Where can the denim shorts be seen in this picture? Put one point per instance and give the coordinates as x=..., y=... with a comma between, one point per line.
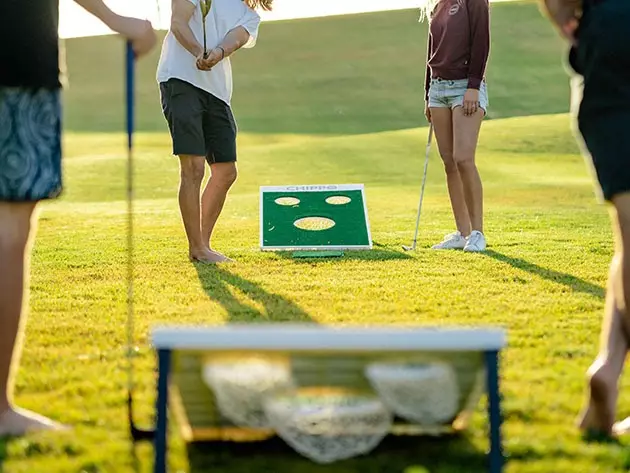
x=450, y=93
x=30, y=144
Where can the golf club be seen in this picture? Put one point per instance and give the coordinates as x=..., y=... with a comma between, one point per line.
x=424, y=180
x=137, y=434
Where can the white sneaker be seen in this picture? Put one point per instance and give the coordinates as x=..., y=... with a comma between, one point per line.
x=454, y=241
x=475, y=242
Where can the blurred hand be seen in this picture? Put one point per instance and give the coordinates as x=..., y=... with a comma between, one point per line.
x=568, y=30
x=427, y=112
x=471, y=102
x=139, y=32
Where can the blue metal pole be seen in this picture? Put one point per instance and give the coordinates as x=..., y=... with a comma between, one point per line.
x=497, y=459
x=161, y=431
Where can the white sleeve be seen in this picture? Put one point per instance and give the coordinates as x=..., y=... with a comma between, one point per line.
x=250, y=21
x=194, y=2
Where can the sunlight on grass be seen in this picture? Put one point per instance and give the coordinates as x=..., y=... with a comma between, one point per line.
x=309, y=116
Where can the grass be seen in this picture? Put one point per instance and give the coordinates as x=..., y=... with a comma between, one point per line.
x=328, y=100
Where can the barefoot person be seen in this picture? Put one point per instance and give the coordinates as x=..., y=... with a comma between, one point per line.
x=196, y=91
x=600, y=55
x=456, y=103
x=30, y=162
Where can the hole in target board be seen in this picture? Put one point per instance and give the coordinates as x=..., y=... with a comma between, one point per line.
x=314, y=224
x=338, y=200
x=287, y=201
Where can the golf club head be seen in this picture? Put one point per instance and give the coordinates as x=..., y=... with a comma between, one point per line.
x=409, y=248
x=137, y=434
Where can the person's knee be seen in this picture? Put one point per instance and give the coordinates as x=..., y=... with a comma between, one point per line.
x=465, y=164
x=450, y=166
x=622, y=208
x=225, y=174
x=602, y=374
x=192, y=170
x=15, y=227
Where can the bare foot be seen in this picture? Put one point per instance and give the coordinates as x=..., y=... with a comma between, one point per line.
x=599, y=415
x=208, y=256
x=16, y=422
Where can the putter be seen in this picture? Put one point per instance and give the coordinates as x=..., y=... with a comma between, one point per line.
x=424, y=181
x=136, y=433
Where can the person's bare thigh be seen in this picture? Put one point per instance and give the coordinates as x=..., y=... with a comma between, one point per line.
x=466, y=133
x=15, y=223
x=442, y=120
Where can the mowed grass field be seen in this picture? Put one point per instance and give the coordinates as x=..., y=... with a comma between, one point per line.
x=333, y=100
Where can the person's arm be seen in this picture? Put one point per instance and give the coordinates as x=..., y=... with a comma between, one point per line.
x=139, y=32
x=479, y=14
x=182, y=12
x=234, y=40
x=243, y=36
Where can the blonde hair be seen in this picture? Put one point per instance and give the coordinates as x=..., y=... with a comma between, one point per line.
x=263, y=4
x=426, y=9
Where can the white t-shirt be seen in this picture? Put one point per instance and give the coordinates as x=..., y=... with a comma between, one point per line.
x=177, y=62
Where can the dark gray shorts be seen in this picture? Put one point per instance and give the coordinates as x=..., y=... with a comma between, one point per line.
x=30, y=144
x=200, y=124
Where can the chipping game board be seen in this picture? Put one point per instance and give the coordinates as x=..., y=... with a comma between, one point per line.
x=314, y=217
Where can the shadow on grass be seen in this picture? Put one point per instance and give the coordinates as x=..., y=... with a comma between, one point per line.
x=572, y=282
x=454, y=454
x=378, y=253
x=221, y=285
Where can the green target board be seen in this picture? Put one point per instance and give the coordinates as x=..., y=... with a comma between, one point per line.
x=314, y=217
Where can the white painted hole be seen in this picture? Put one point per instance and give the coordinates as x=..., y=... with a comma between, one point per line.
x=288, y=201
x=338, y=200
x=314, y=224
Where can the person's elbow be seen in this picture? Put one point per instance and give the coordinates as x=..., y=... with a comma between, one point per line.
x=177, y=26
x=244, y=37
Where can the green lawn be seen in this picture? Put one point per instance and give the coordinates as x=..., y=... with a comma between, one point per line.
x=331, y=100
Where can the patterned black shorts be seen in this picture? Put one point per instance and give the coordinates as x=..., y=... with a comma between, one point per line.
x=30, y=144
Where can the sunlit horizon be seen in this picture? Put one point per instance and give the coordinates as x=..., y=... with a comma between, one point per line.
x=76, y=22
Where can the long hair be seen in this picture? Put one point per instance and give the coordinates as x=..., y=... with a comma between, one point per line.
x=426, y=9
x=263, y=4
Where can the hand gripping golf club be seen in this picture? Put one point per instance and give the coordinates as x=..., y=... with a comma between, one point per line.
x=137, y=434
x=424, y=181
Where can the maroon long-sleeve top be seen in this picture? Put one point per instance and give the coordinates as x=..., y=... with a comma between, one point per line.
x=459, y=42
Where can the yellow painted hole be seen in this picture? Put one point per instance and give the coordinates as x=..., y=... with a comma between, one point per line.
x=287, y=201
x=314, y=224
x=338, y=200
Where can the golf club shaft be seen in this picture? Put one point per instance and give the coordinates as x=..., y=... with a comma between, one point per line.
x=130, y=79
x=424, y=180
x=136, y=433
x=129, y=99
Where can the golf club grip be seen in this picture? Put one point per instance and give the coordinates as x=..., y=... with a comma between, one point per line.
x=130, y=75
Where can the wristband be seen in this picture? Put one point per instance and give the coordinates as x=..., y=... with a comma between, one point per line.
x=222, y=52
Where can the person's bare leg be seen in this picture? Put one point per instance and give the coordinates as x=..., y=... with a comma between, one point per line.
x=465, y=138
x=15, y=236
x=192, y=170
x=603, y=375
x=621, y=278
x=213, y=200
x=442, y=119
